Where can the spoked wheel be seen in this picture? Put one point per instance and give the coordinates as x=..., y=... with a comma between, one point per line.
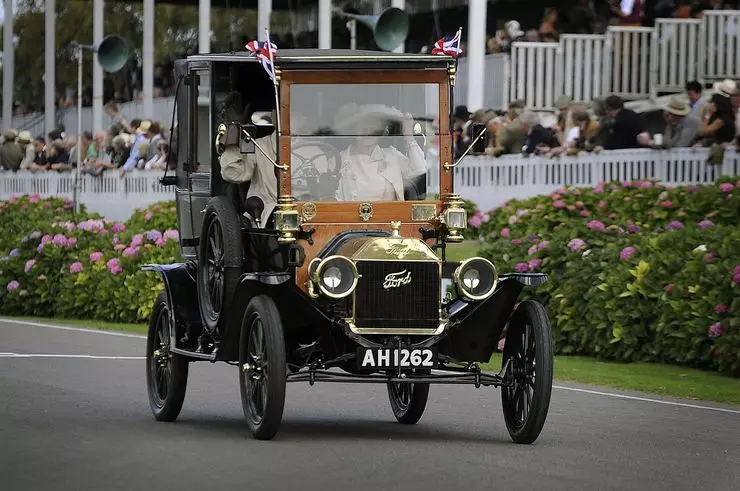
x=528, y=349
x=262, y=368
x=167, y=373
x=408, y=401
x=220, y=260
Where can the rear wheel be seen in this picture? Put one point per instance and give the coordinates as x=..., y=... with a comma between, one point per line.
x=219, y=261
x=262, y=368
x=408, y=401
x=528, y=350
x=167, y=373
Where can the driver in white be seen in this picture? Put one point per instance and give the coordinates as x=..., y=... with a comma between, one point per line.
x=370, y=172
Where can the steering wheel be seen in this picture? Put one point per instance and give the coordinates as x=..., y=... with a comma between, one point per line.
x=322, y=186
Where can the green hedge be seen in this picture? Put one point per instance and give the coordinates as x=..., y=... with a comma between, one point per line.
x=58, y=264
x=638, y=272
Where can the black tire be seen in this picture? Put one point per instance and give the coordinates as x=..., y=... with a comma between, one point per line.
x=220, y=260
x=262, y=381
x=166, y=373
x=529, y=348
x=408, y=401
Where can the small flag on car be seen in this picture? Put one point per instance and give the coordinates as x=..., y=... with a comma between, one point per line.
x=264, y=55
x=449, y=45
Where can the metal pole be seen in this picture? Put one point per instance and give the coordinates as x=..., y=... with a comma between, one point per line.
x=147, y=70
x=324, y=24
x=476, y=52
x=97, y=107
x=352, y=26
x=78, y=183
x=8, y=65
x=204, y=26
x=49, y=66
x=264, y=9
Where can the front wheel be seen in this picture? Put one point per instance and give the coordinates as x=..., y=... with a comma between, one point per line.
x=167, y=373
x=262, y=367
x=408, y=401
x=528, y=350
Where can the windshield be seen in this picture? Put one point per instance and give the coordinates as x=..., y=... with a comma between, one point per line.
x=364, y=142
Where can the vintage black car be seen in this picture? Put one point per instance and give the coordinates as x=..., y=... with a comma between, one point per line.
x=318, y=255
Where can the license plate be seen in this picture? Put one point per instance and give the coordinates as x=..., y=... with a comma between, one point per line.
x=396, y=358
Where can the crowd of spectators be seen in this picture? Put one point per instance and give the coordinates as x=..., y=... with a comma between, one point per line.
x=690, y=121
x=125, y=147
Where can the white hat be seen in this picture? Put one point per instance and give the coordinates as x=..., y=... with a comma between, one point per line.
x=364, y=112
x=726, y=88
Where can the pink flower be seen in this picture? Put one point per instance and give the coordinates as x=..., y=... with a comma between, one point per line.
x=130, y=251
x=720, y=308
x=555, y=196
x=705, y=224
x=118, y=227
x=674, y=225
x=46, y=239
x=584, y=213
x=579, y=204
x=475, y=221
x=627, y=253
x=726, y=187
x=709, y=257
x=505, y=232
x=171, y=234
x=13, y=285
x=558, y=204
x=626, y=184
x=70, y=242
x=576, y=244
x=599, y=188
x=119, y=247
x=59, y=240
x=571, y=207
x=633, y=229
x=596, y=225
x=576, y=192
x=534, y=264
x=486, y=217
x=137, y=240
x=40, y=248
x=521, y=268
x=13, y=198
x=34, y=198
x=692, y=188
x=669, y=287
x=516, y=241
x=666, y=204
x=160, y=242
x=532, y=250
x=75, y=268
x=96, y=256
x=114, y=266
x=543, y=245
x=715, y=330
x=29, y=265
x=148, y=217
x=602, y=204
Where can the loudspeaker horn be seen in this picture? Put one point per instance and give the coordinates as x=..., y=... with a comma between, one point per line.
x=112, y=53
x=390, y=27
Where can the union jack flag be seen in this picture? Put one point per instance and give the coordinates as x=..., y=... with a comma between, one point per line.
x=448, y=45
x=264, y=55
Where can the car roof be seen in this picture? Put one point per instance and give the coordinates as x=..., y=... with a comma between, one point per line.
x=296, y=58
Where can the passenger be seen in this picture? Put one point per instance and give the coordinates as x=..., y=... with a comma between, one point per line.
x=370, y=172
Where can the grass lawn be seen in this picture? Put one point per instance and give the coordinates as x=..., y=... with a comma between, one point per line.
x=667, y=380
x=463, y=250
x=104, y=326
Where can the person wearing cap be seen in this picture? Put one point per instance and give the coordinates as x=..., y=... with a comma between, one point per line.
x=25, y=141
x=371, y=172
x=681, y=126
x=10, y=153
x=143, y=135
x=513, y=33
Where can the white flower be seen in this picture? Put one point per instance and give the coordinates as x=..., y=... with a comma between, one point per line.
x=586, y=253
x=701, y=248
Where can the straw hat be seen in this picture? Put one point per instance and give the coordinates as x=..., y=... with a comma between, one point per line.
x=143, y=127
x=563, y=101
x=678, y=106
x=24, y=137
x=10, y=135
x=726, y=88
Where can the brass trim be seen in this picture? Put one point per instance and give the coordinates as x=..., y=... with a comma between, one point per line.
x=319, y=283
x=308, y=211
x=459, y=284
x=395, y=249
x=423, y=212
x=366, y=211
x=423, y=332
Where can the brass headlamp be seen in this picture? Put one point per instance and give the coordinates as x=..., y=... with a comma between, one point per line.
x=287, y=220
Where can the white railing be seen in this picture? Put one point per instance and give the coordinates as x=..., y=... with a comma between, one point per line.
x=722, y=41
x=677, y=54
x=582, y=65
x=629, y=61
x=486, y=181
x=533, y=73
x=495, y=81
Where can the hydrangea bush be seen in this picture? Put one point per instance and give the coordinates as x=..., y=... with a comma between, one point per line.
x=58, y=264
x=638, y=272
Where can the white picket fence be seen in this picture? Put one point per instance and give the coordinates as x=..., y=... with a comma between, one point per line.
x=487, y=181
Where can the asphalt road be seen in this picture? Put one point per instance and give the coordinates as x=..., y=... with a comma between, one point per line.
x=84, y=423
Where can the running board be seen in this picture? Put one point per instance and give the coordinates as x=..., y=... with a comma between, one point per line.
x=193, y=354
